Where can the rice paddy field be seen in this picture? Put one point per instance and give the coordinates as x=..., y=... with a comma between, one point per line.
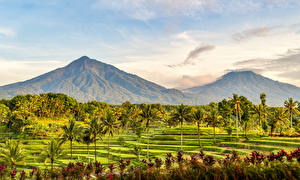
x=162, y=141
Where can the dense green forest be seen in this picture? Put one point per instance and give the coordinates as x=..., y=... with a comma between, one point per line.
x=237, y=112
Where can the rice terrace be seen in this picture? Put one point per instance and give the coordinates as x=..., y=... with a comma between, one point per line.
x=150, y=90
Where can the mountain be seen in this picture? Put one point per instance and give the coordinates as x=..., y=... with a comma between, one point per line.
x=87, y=79
x=248, y=84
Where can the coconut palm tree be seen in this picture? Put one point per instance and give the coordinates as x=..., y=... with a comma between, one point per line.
x=291, y=109
x=237, y=108
x=263, y=99
x=95, y=129
x=260, y=111
x=182, y=113
x=199, y=116
x=71, y=132
x=87, y=138
x=53, y=151
x=214, y=119
x=148, y=115
x=278, y=117
x=129, y=114
x=12, y=153
x=110, y=126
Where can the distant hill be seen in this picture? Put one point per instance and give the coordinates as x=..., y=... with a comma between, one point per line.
x=246, y=83
x=88, y=79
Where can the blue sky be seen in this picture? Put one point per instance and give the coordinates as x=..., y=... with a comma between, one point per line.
x=176, y=43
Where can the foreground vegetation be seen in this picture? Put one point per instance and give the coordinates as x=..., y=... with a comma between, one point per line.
x=48, y=131
x=197, y=166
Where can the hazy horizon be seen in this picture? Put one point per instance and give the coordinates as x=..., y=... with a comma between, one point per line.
x=173, y=43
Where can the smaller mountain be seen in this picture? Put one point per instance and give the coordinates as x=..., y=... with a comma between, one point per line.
x=248, y=84
x=88, y=79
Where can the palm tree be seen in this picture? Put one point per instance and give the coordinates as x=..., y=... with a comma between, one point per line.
x=13, y=153
x=71, y=132
x=260, y=111
x=94, y=127
x=277, y=118
x=181, y=114
x=148, y=115
x=291, y=109
x=87, y=138
x=214, y=119
x=199, y=115
x=53, y=151
x=237, y=107
x=263, y=99
x=110, y=125
x=129, y=114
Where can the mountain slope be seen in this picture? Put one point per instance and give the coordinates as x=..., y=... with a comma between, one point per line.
x=246, y=83
x=87, y=79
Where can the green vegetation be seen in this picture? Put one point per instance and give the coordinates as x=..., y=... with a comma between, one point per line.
x=50, y=130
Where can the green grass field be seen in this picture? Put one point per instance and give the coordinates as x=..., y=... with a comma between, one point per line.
x=162, y=141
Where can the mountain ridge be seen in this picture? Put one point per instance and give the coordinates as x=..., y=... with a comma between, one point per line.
x=88, y=79
x=246, y=83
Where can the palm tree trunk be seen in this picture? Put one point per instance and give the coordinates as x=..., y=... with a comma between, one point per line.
x=246, y=131
x=240, y=119
x=181, y=137
x=214, y=133
x=198, y=130
x=148, y=143
x=88, y=150
x=291, y=117
x=52, y=162
x=71, y=150
x=236, y=123
x=95, y=149
x=108, y=149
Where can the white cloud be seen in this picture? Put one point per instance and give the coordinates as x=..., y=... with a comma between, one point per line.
x=15, y=71
x=174, y=48
x=7, y=32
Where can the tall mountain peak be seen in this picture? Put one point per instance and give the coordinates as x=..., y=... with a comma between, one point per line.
x=88, y=79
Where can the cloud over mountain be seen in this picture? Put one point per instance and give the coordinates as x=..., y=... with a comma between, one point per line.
x=286, y=65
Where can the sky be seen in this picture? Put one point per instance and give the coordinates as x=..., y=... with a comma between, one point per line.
x=175, y=43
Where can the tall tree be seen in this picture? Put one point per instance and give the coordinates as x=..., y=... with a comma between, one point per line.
x=148, y=115
x=129, y=115
x=263, y=99
x=87, y=138
x=182, y=113
x=246, y=107
x=277, y=118
x=236, y=102
x=214, y=118
x=260, y=113
x=199, y=115
x=110, y=125
x=71, y=132
x=291, y=109
x=53, y=151
x=95, y=128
